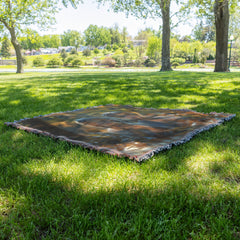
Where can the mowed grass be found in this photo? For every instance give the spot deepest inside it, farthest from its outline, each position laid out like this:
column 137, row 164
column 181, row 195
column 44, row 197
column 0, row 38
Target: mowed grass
column 53, row 190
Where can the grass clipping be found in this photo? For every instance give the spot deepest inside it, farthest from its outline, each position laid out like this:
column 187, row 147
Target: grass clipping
column 124, row 131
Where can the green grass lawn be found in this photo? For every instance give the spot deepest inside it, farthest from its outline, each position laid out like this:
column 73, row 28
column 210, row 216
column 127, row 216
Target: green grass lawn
column 52, row 190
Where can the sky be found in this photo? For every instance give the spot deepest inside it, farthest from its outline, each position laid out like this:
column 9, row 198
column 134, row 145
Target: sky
column 88, row 13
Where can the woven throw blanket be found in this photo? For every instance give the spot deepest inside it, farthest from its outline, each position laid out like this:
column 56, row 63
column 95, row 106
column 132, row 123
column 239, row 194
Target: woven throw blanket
column 125, row 131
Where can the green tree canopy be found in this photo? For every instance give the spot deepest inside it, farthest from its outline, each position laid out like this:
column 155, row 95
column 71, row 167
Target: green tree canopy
column 5, row 49
column 234, row 25
column 31, row 40
column 124, row 35
column 115, row 35
column 154, row 48
column 205, row 32
column 51, row 41
column 71, row 38
column 145, row 34
column 97, row 36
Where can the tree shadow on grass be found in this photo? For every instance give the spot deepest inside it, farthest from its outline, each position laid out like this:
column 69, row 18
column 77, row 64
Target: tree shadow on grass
column 69, row 90
column 60, row 93
column 43, row 205
column 39, row 95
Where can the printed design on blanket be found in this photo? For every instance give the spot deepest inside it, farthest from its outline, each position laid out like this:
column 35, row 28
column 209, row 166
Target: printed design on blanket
column 125, row 131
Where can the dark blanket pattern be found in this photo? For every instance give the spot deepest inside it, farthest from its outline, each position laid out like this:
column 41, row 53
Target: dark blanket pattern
column 125, row 131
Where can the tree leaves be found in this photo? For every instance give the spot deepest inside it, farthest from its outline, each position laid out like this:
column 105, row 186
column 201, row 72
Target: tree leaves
column 22, row 13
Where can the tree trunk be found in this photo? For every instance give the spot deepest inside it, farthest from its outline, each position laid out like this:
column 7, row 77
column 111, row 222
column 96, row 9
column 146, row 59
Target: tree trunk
column 17, row 48
column 221, row 12
column 165, row 8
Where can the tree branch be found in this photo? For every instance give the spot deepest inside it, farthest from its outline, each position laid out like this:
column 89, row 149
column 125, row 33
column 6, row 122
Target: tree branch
column 5, row 23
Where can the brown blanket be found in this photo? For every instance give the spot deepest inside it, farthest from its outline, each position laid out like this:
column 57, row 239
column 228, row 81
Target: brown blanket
column 125, row 131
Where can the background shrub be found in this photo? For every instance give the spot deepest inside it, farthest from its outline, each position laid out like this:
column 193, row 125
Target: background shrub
column 130, row 63
column 68, row 60
column 150, row 62
column 86, row 52
column 38, row 62
column 63, row 54
column 96, row 50
column 175, row 64
column 74, row 51
column 178, row 60
column 126, row 58
column 109, row 62
column 109, row 48
column 97, row 62
column 73, row 61
column 76, row 62
column 119, row 60
column 54, row 62
column 24, row 60
column 105, row 51
column 118, row 52
column 138, row 62
column 125, row 50
column 115, row 46
column 203, row 59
